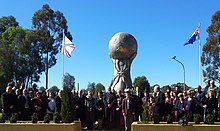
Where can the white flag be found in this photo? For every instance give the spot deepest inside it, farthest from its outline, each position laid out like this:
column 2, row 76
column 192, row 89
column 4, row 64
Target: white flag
column 67, row 47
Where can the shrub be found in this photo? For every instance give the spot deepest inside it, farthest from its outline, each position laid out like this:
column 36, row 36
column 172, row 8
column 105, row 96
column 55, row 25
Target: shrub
column 68, row 106
column 34, row 118
column 197, row 118
column 56, row 117
column 13, row 118
column 169, row 119
column 145, row 118
column 2, row 118
column 156, row 118
column 46, row 118
column 210, row 119
column 184, row 120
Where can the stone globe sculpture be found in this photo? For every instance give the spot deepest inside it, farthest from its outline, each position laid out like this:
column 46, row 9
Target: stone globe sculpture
column 122, row 51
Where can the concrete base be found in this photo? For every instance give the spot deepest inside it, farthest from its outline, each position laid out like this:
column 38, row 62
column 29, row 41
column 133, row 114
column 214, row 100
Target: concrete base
column 175, row 127
column 76, row 126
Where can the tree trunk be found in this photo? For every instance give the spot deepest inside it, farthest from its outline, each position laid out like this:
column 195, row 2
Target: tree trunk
column 47, row 72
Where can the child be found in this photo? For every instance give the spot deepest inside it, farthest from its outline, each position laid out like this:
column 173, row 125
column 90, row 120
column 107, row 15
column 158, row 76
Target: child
column 151, row 105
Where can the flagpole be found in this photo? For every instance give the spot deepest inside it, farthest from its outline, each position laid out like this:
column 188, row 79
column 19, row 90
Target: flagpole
column 200, row 69
column 63, row 44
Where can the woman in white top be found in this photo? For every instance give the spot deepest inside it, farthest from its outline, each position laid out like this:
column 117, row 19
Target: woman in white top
column 51, row 104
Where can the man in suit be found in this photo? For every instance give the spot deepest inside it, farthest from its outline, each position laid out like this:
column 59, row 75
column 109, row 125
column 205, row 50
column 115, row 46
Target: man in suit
column 200, row 97
column 58, row 100
column 138, row 101
column 128, row 109
column 80, row 108
column 20, row 104
column 8, row 102
column 110, row 105
column 29, row 106
column 159, row 102
column 119, row 116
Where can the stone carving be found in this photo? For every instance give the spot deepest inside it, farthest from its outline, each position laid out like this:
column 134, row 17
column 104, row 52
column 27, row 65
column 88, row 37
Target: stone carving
column 122, row 51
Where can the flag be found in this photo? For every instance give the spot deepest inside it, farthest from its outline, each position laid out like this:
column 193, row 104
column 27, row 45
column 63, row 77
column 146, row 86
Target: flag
column 194, row 36
column 67, row 47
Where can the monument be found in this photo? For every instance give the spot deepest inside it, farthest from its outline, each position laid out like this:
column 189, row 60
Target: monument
column 122, row 50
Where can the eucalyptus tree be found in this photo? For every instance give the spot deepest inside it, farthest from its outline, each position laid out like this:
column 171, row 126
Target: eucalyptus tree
column 19, row 57
column 49, row 26
column 211, row 50
column 6, row 22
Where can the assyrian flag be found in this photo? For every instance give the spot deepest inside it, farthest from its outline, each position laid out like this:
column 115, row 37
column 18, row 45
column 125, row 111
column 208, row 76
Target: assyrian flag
column 194, row 36
column 67, row 47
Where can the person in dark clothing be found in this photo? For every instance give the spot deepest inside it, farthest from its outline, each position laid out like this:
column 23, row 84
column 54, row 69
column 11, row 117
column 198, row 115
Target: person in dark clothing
column 8, row 102
column 145, row 99
column 177, row 90
column 179, row 107
column 31, row 97
column 80, row 108
column 39, row 106
column 168, row 107
column 159, row 102
column 74, row 98
column 200, row 97
column 21, row 105
column 33, row 88
column 90, row 110
column 110, row 103
column 138, row 104
column 119, row 115
column 28, row 107
column 99, row 112
column 212, row 104
column 150, row 110
column 58, row 100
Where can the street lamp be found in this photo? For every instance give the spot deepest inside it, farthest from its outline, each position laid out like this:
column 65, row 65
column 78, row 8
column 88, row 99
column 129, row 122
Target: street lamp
column 174, row 57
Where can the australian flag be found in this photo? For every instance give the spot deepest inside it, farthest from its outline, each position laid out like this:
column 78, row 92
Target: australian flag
column 194, row 36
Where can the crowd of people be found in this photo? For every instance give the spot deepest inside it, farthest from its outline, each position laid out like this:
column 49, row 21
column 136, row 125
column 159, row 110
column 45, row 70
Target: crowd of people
column 179, row 104
column 114, row 110
column 25, row 102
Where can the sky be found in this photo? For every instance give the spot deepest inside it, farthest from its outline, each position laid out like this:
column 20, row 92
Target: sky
column 160, row 28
